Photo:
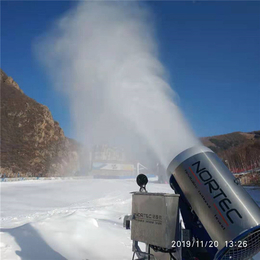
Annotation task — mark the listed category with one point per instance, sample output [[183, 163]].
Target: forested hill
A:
[[239, 150]]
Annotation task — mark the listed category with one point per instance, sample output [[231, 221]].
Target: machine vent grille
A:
[[244, 253]]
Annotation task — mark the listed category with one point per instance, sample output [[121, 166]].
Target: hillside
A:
[[240, 151], [32, 143]]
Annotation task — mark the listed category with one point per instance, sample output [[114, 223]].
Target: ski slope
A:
[[69, 219]]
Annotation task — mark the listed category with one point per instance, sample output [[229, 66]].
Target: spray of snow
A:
[[104, 57]]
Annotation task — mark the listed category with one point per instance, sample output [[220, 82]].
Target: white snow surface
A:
[[70, 219], [67, 219]]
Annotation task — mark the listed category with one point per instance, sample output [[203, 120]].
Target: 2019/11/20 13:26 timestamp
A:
[[238, 244]]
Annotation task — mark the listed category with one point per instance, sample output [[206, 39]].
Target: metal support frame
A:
[[140, 254], [191, 220]]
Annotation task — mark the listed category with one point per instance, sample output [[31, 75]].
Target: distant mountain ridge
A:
[[239, 150], [32, 143]]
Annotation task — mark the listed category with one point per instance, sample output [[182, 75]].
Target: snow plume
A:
[[104, 57]]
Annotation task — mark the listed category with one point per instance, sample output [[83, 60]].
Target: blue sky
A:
[[211, 51]]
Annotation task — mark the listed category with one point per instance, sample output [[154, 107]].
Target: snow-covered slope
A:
[[70, 219], [67, 219]]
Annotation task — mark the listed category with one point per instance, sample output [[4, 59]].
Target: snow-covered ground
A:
[[69, 219]]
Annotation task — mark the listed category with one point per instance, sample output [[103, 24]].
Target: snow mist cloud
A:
[[104, 57]]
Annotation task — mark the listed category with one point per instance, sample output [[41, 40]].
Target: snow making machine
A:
[[209, 217]]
